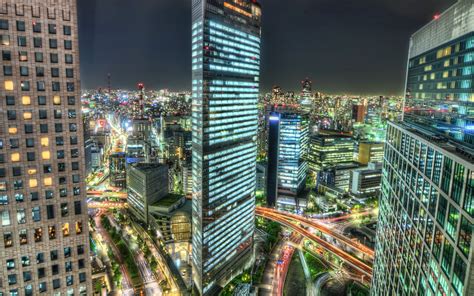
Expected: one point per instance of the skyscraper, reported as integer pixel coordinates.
(424, 237)
(293, 149)
(45, 248)
(273, 155)
(226, 70)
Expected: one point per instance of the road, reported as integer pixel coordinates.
(106, 205)
(164, 268)
(277, 267)
(346, 257)
(320, 227)
(150, 283)
(269, 281)
(127, 289)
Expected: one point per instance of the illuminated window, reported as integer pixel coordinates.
(12, 130)
(57, 100)
(31, 171)
(45, 142)
(48, 181)
(15, 157)
(27, 115)
(445, 74)
(78, 227)
(432, 76)
(46, 155)
(9, 85)
(428, 68)
(65, 229)
(33, 183)
(52, 232)
(447, 63)
(26, 100)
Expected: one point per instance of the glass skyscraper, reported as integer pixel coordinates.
(424, 237)
(43, 214)
(440, 91)
(293, 148)
(226, 70)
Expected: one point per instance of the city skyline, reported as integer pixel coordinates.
(241, 173)
(316, 36)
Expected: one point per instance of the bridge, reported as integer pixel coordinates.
(107, 205)
(122, 195)
(298, 224)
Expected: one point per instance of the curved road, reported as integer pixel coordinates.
(320, 227)
(350, 259)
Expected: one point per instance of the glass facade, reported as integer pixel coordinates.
(425, 225)
(329, 150)
(226, 66)
(292, 166)
(440, 90)
(426, 217)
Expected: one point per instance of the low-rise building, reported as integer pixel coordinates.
(366, 182)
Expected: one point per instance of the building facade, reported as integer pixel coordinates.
(293, 149)
(370, 152)
(44, 221)
(426, 219)
(440, 90)
(366, 182)
(329, 150)
(273, 157)
(146, 183)
(226, 71)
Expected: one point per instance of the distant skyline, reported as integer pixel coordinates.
(343, 46)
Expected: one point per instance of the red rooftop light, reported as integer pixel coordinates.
(436, 16)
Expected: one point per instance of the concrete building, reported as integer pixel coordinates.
(366, 182)
(147, 183)
(370, 152)
(44, 221)
(358, 113)
(337, 176)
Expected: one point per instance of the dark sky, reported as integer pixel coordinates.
(356, 46)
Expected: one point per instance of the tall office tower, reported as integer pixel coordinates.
(440, 90)
(293, 149)
(226, 70)
(424, 239)
(273, 155)
(45, 248)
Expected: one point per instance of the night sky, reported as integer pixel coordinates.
(341, 45)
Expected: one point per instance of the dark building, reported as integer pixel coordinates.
(273, 154)
(358, 113)
(118, 170)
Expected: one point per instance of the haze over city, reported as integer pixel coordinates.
(236, 147)
(344, 46)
